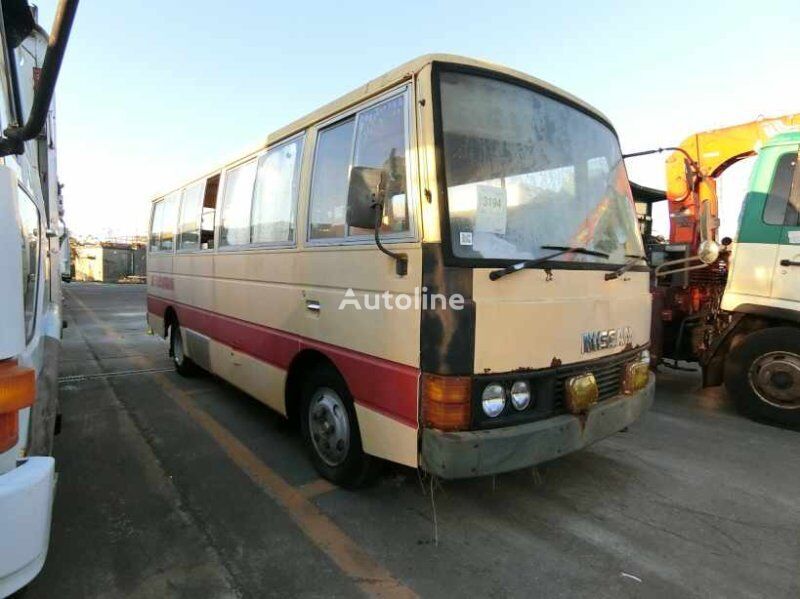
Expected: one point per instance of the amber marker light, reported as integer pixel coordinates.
(581, 393)
(636, 374)
(17, 392)
(446, 403)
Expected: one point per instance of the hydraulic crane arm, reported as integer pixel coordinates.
(692, 171)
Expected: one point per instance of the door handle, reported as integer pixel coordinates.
(787, 262)
(313, 306)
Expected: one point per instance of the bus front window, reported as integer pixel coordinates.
(524, 170)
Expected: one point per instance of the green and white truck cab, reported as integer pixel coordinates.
(758, 352)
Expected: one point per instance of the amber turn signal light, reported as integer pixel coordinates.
(17, 391)
(446, 402)
(636, 376)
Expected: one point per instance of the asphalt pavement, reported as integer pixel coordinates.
(175, 487)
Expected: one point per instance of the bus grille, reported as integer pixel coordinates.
(608, 375)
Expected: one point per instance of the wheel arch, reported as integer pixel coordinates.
(170, 317)
(743, 323)
(302, 364)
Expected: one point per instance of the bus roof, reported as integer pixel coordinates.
(386, 81)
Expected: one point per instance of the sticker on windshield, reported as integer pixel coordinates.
(491, 215)
(794, 236)
(465, 238)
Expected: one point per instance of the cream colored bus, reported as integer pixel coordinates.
(441, 268)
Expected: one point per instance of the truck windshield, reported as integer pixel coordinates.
(524, 170)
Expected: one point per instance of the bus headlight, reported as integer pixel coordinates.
(636, 374)
(581, 393)
(520, 395)
(493, 400)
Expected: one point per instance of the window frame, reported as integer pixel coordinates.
(296, 208)
(412, 235)
(179, 233)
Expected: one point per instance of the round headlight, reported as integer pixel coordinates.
(520, 395)
(708, 251)
(493, 399)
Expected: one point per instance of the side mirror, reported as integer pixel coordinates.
(365, 191)
(365, 199)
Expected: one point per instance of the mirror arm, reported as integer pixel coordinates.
(15, 136)
(401, 260)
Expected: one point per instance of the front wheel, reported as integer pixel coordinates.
(183, 364)
(762, 375)
(331, 433)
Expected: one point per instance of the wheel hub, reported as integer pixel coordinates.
(329, 426)
(775, 377)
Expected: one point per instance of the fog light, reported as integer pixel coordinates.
(581, 393)
(493, 400)
(636, 376)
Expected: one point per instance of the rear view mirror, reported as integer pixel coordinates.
(365, 196)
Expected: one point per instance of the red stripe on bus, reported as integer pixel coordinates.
(385, 386)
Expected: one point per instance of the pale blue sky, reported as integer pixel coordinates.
(152, 92)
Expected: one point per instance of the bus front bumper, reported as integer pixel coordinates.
(477, 453)
(26, 501)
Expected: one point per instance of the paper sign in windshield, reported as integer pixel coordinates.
(492, 212)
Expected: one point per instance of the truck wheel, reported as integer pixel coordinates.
(183, 364)
(762, 375)
(330, 430)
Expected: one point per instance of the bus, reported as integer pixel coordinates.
(440, 269)
(31, 239)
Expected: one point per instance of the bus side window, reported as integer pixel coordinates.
(381, 143)
(155, 225)
(189, 221)
(330, 180)
(209, 211)
(169, 222)
(236, 204)
(275, 197)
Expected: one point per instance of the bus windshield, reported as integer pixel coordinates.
(524, 170)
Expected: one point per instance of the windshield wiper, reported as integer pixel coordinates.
(575, 250)
(610, 276)
(562, 249)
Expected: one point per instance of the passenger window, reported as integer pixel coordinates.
(275, 196)
(30, 237)
(330, 180)
(168, 222)
(207, 219)
(236, 201)
(189, 227)
(155, 224)
(381, 143)
(778, 210)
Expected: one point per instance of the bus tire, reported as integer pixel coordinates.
(183, 364)
(762, 375)
(330, 430)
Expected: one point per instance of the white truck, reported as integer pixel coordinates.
(31, 234)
